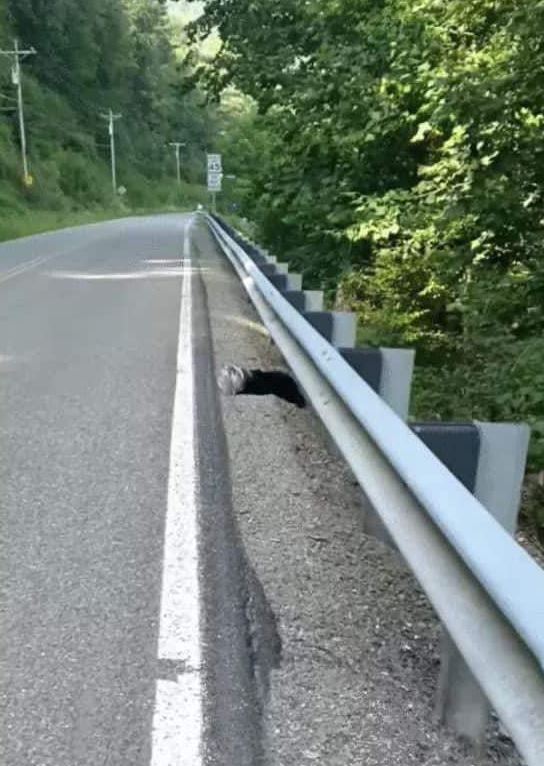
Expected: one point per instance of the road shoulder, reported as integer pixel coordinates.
(359, 658)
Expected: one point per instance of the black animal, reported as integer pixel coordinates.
(236, 381)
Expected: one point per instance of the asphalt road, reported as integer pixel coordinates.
(88, 342)
(185, 582)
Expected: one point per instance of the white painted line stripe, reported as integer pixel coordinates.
(179, 637)
(178, 715)
(177, 727)
(23, 267)
(163, 261)
(119, 275)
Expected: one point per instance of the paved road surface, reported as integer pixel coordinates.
(151, 614)
(89, 323)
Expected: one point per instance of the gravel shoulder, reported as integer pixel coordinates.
(359, 640)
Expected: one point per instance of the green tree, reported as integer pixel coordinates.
(400, 166)
(118, 53)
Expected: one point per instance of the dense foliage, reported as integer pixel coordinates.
(93, 55)
(400, 162)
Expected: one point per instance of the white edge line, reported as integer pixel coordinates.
(178, 715)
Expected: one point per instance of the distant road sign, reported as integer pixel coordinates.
(214, 181)
(215, 164)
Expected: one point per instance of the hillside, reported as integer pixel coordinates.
(123, 54)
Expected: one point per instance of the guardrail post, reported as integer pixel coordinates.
(344, 329)
(314, 300)
(396, 381)
(395, 385)
(296, 298)
(338, 327)
(388, 371)
(295, 281)
(460, 702)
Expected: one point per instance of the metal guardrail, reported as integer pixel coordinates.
(487, 591)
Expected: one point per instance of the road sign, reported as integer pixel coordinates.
(215, 164)
(214, 181)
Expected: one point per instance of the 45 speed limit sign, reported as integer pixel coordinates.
(215, 164)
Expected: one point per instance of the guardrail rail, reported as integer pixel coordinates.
(487, 591)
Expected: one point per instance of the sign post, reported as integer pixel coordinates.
(215, 176)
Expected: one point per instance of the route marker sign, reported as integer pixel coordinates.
(214, 181)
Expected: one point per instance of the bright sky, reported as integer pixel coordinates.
(195, 9)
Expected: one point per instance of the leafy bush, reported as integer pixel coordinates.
(400, 165)
(86, 183)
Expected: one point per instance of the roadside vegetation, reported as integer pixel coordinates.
(393, 151)
(123, 54)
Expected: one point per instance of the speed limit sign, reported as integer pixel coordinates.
(215, 164)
